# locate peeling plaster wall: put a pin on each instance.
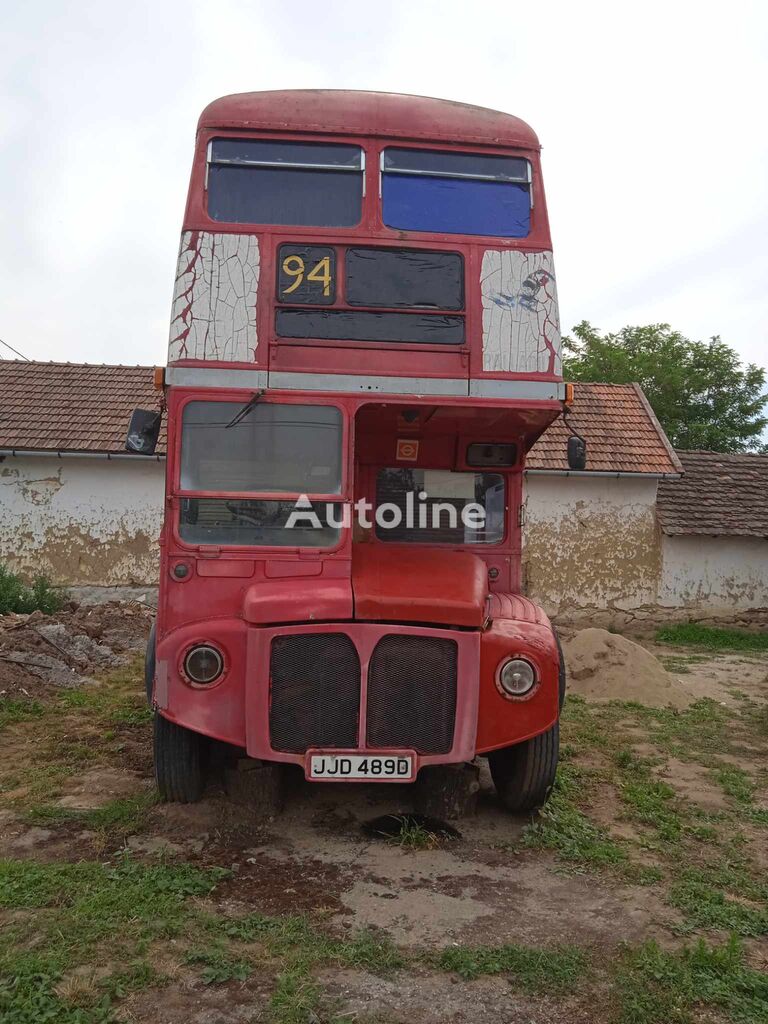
(590, 545)
(214, 298)
(717, 576)
(521, 323)
(82, 521)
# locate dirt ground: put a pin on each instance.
(656, 834)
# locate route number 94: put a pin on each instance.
(306, 274)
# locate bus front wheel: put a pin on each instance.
(179, 761)
(524, 774)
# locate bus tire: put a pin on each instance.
(525, 773)
(561, 677)
(179, 761)
(149, 663)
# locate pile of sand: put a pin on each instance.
(605, 666)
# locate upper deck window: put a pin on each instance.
(456, 193)
(260, 181)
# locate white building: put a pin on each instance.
(627, 538)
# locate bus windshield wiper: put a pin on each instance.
(245, 410)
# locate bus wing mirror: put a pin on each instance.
(143, 431)
(577, 452)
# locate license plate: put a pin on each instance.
(365, 767)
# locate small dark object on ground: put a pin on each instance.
(256, 785)
(447, 791)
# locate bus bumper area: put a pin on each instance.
(288, 693)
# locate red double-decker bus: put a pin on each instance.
(364, 345)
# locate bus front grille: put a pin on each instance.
(315, 692)
(412, 693)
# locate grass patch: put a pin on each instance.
(693, 634)
(558, 969)
(735, 782)
(702, 895)
(296, 936)
(29, 993)
(566, 830)
(648, 800)
(122, 816)
(300, 947)
(123, 891)
(21, 709)
(680, 664)
(87, 913)
(656, 986)
(703, 729)
(71, 730)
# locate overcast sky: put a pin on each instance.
(652, 118)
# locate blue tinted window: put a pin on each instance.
(254, 181)
(456, 193)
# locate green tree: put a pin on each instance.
(701, 393)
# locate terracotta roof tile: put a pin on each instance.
(71, 406)
(83, 407)
(621, 431)
(720, 495)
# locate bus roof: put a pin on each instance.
(386, 114)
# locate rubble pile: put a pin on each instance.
(70, 647)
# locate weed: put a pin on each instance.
(559, 968)
(219, 966)
(694, 634)
(16, 596)
(413, 836)
(138, 975)
(28, 992)
(294, 997)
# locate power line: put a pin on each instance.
(15, 351)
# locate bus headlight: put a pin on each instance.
(516, 677)
(203, 664)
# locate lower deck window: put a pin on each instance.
(430, 506)
(255, 523)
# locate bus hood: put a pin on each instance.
(448, 588)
